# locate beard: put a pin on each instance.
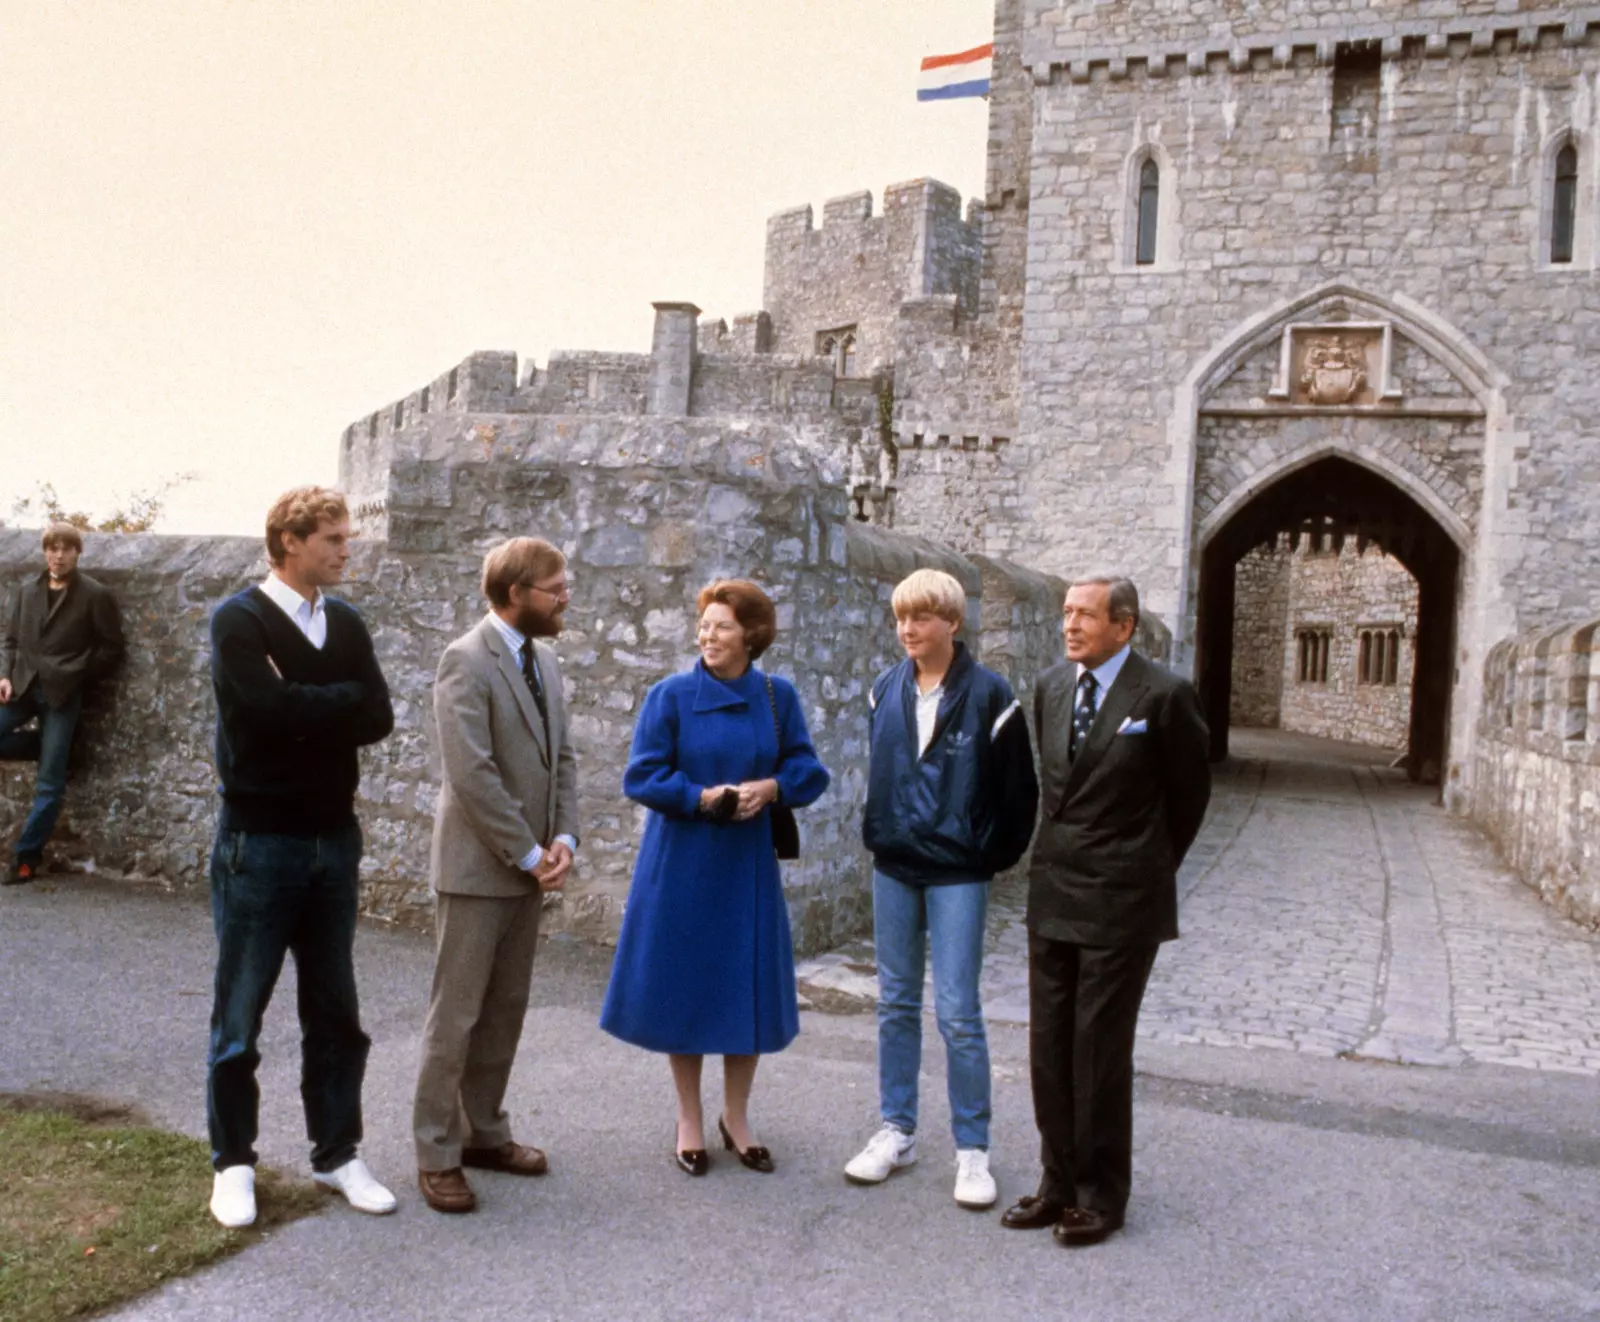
(531, 622)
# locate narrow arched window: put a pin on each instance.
(1564, 205)
(1149, 201)
(847, 356)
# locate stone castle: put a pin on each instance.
(1287, 310)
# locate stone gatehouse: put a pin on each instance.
(1320, 270)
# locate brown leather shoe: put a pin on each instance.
(446, 1191)
(512, 1158)
(1082, 1226)
(1030, 1212)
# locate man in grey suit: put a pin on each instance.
(504, 834)
(1124, 780)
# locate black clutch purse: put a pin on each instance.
(785, 830)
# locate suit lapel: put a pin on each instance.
(39, 603)
(511, 672)
(61, 601)
(1129, 687)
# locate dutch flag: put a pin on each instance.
(944, 77)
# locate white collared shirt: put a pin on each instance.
(514, 640)
(310, 617)
(1105, 674)
(927, 715)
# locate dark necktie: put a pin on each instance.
(530, 672)
(1082, 714)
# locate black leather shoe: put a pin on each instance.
(692, 1161)
(20, 874)
(757, 1158)
(1030, 1212)
(1082, 1226)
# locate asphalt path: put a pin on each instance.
(1267, 1185)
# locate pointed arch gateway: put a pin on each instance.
(1346, 416)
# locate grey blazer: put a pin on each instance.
(504, 788)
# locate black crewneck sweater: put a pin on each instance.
(287, 737)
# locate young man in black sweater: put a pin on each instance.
(298, 692)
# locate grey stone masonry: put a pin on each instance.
(1171, 37)
(673, 349)
(1346, 596)
(648, 509)
(1413, 222)
(1536, 790)
(852, 273)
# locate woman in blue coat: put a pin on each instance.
(704, 962)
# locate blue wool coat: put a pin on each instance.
(705, 964)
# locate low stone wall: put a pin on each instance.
(1536, 781)
(647, 511)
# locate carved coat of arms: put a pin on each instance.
(1334, 369)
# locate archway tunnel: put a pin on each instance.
(1326, 506)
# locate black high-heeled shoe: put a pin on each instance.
(691, 1161)
(756, 1157)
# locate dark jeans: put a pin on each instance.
(1083, 1010)
(271, 894)
(50, 743)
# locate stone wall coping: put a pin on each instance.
(1051, 48)
(892, 556)
(114, 556)
(754, 449)
(1019, 581)
(1552, 682)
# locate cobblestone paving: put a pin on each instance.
(1331, 907)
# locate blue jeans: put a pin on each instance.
(906, 920)
(272, 894)
(50, 743)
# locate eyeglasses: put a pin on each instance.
(719, 627)
(563, 592)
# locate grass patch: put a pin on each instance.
(96, 1208)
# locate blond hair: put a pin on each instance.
(932, 592)
(520, 562)
(301, 512)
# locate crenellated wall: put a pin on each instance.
(1536, 788)
(856, 269)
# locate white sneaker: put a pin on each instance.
(360, 1190)
(974, 1185)
(233, 1196)
(886, 1151)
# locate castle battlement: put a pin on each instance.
(836, 289)
(1082, 41)
(695, 368)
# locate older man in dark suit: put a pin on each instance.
(1125, 779)
(63, 632)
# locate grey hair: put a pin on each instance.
(1124, 597)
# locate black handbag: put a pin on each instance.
(785, 830)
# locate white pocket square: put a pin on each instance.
(1131, 726)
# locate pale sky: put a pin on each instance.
(230, 227)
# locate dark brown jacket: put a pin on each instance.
(65, 648)
(1115, 824)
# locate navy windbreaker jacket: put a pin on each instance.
(964, 809)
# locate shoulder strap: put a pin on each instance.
(772, 701)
